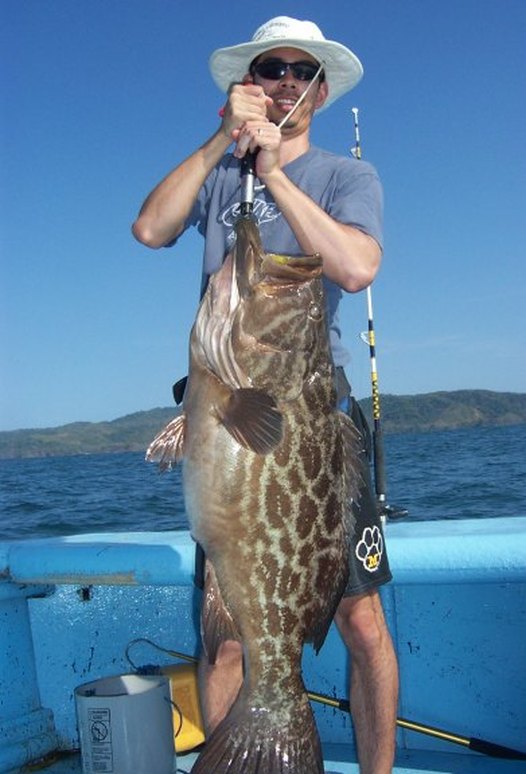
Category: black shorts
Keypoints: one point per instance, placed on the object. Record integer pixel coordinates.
(368, 562)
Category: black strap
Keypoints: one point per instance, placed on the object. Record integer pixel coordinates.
(178, 390)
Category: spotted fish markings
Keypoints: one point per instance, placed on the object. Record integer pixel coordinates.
(269, 472)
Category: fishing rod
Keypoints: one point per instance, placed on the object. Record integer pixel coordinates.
(473, 743)
(380, 484)
(248, 176)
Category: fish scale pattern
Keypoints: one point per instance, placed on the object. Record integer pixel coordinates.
(274, 525)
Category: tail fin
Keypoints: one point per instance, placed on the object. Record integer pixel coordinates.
(253, 740)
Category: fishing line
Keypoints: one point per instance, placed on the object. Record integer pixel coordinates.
(297, 104)
(248, 162)
(302, 97)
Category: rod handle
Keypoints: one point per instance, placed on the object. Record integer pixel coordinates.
(248, 175)
(495, 750)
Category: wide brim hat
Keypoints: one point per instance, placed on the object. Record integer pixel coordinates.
(343, 70)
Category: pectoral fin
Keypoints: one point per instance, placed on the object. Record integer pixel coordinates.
(253, 419)
(167, 448)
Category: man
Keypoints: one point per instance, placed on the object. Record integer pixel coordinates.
(306, 201)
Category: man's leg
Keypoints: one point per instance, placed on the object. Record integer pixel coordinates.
(374, 680)
(219, 683)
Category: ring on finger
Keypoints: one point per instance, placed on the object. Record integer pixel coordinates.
(260, 130)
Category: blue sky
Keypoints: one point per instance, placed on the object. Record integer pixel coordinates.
(101, 99)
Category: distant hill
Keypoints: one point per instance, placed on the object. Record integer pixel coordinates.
(400, 413)
(130, 433)
(449, 410)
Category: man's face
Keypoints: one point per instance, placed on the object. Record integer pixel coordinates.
(286, 90)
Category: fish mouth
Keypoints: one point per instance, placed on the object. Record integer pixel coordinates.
(253, 266)
(301, 268)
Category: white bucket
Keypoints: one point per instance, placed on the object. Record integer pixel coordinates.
(125, 725)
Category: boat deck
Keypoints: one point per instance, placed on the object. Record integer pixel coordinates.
(72, 607)
(340, 759)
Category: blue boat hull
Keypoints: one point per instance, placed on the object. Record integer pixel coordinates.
(70, 606)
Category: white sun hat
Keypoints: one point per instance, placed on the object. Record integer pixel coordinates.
(342, 68)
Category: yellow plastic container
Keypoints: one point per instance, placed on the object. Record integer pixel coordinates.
(189, 732)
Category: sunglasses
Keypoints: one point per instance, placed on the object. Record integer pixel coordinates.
(276, 69)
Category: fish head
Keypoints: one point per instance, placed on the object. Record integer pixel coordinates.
(280, 331)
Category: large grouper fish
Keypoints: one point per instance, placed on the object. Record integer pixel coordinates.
(269, 473)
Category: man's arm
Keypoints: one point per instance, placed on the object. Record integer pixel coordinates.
(164, 213)
(351, 258)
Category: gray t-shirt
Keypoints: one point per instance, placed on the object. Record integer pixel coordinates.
(348, 190)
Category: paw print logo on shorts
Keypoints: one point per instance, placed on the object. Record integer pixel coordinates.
(370, 548)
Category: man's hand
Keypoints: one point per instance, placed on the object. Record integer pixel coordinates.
(245, 122)
(246, 102)
(265, 138)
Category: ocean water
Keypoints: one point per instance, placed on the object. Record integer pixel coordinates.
(469, 473)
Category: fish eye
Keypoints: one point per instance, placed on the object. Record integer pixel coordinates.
(315, 312)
